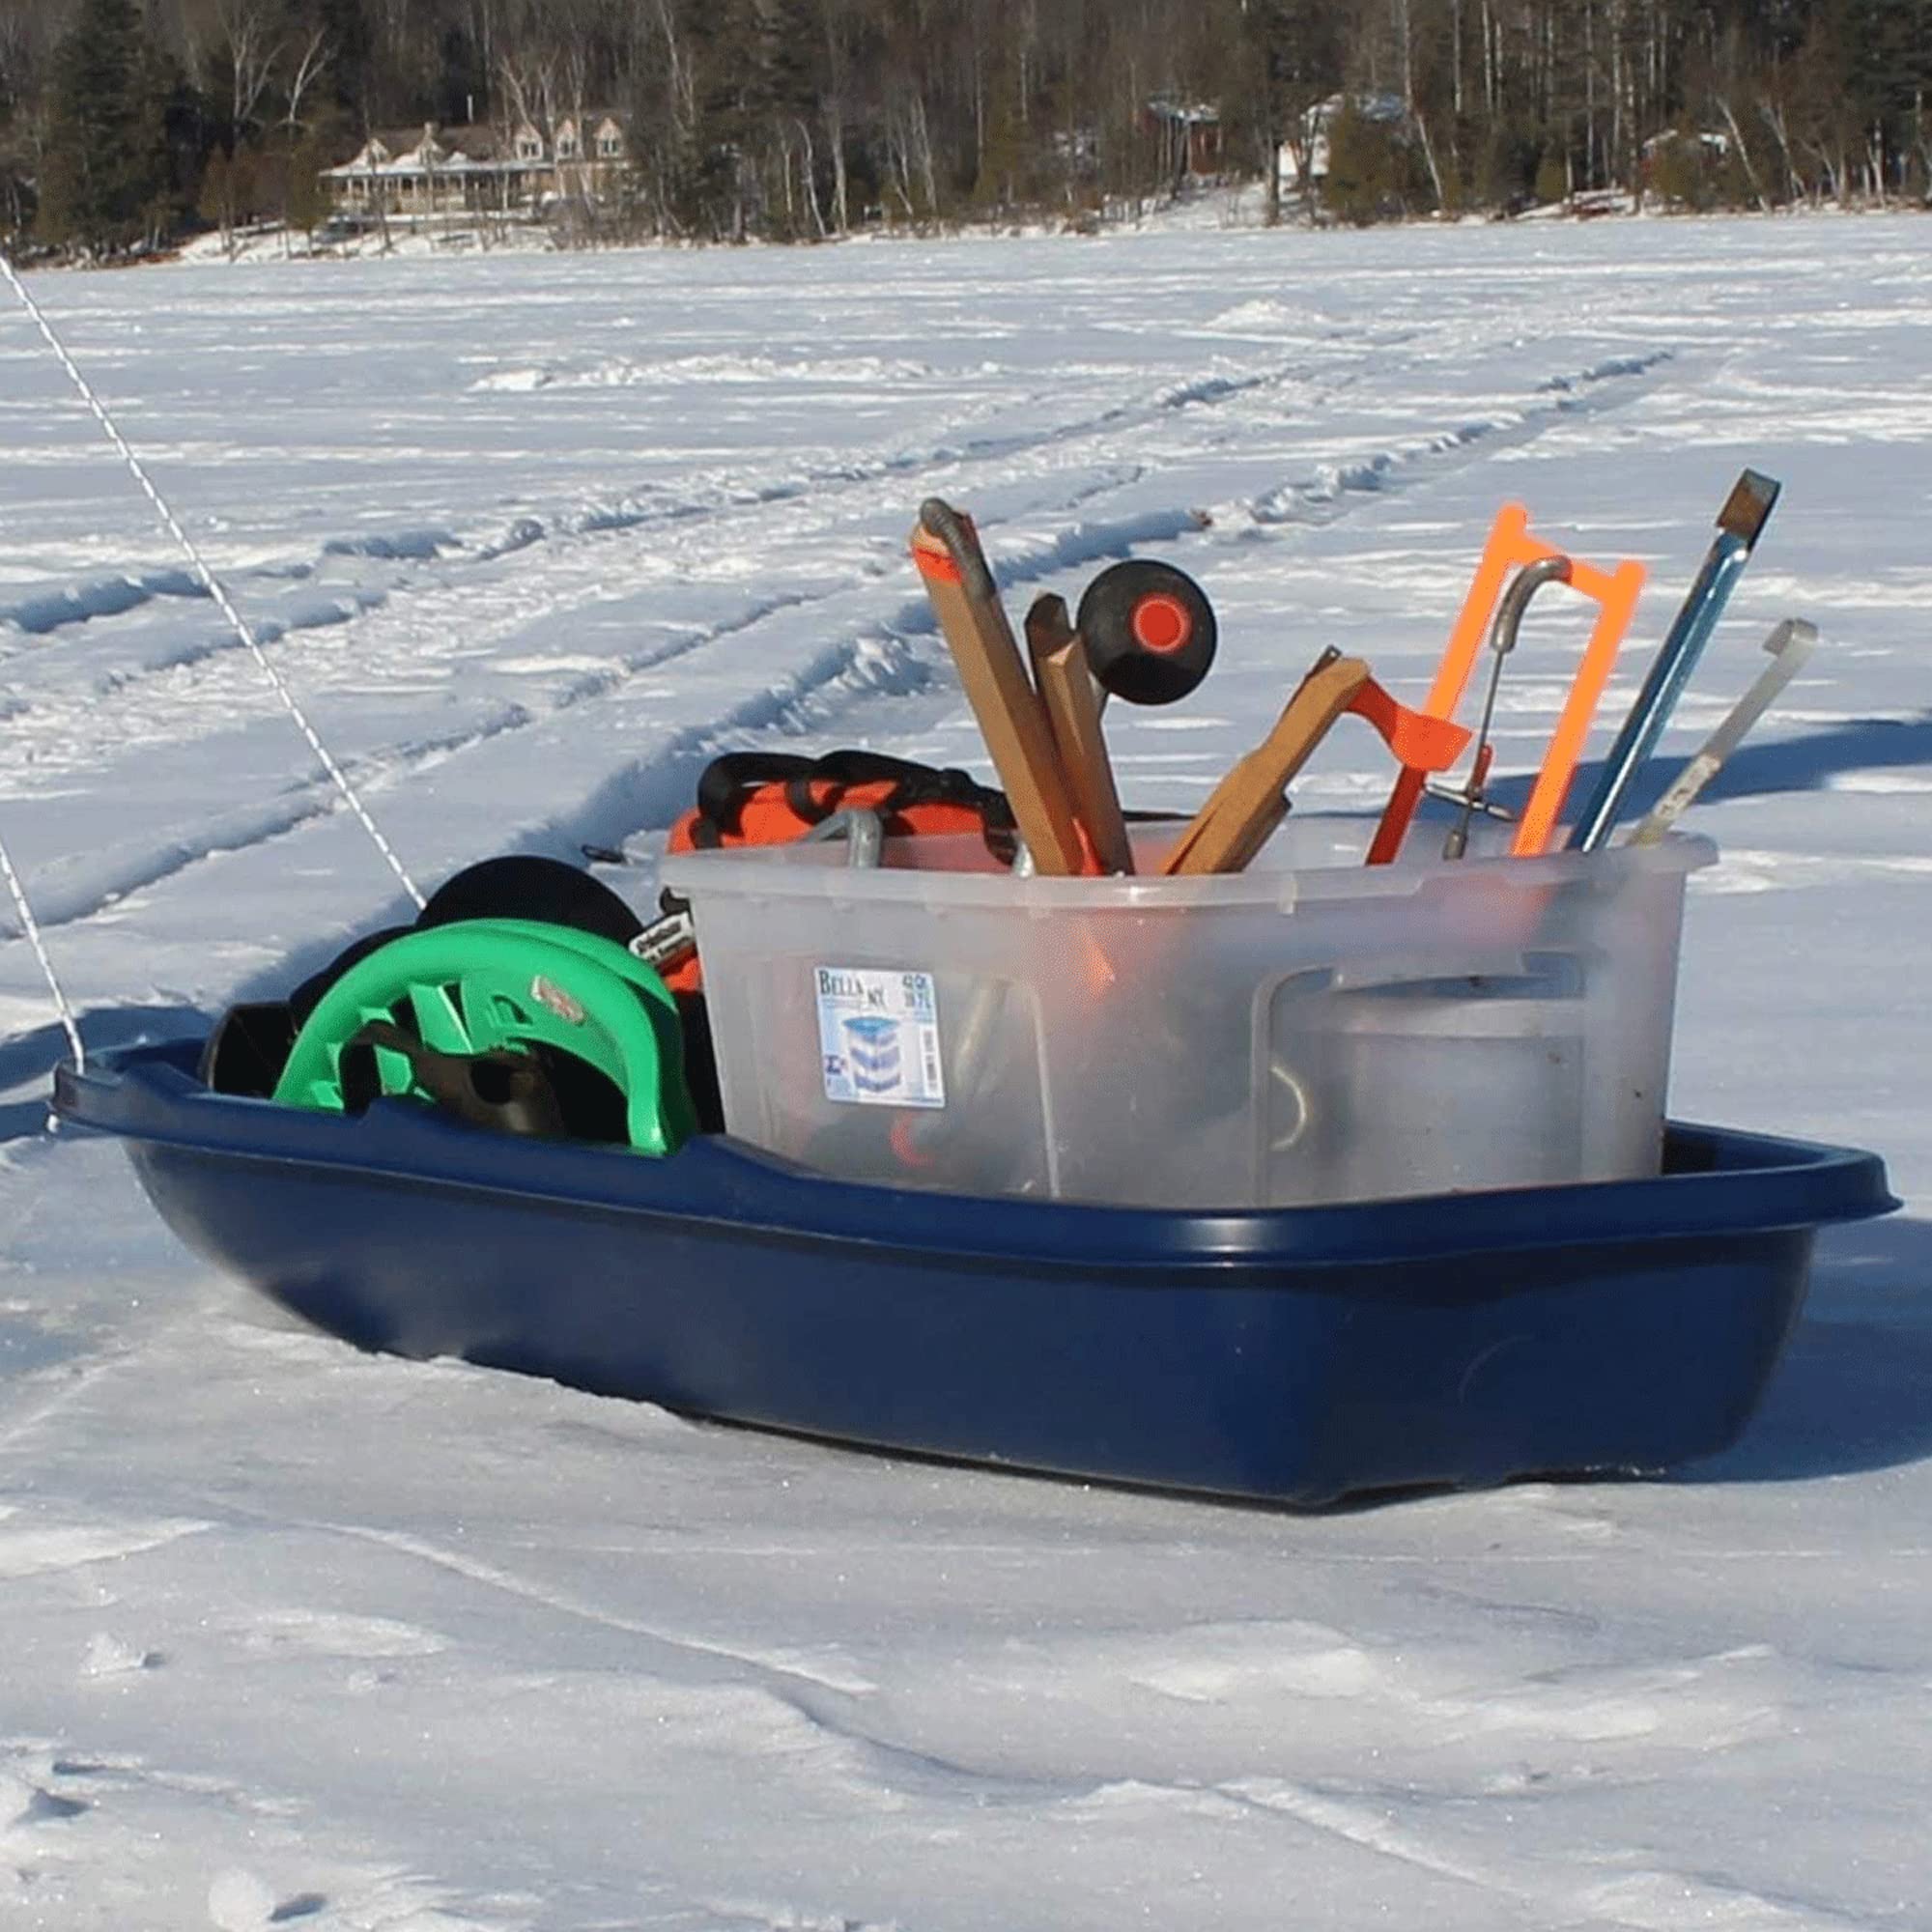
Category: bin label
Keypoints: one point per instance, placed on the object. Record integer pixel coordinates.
(879, 1036)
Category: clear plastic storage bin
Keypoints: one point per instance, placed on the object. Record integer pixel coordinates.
(1311, 1030)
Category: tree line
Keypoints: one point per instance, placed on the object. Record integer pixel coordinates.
(125, 124)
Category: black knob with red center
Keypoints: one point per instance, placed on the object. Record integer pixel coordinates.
(1149, 631)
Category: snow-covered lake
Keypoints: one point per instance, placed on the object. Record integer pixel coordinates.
(297, 1636)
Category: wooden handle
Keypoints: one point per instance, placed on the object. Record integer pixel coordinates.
(1065, 681)
(1246, 806)
(1011, 719)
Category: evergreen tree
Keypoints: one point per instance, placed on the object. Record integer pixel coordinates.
(789, 90)
(305, 205)
(796, 118)
(106, 175)
(1290, 62)
(216, 203)
(1361, 185)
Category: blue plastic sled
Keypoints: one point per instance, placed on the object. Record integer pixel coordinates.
(1294, 1354)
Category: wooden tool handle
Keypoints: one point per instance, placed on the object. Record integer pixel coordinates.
(1012, 718)
(1246, 806)
(1065, 681)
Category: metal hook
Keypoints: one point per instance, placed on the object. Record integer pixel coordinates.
(1515, 601)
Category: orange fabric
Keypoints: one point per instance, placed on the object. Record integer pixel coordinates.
(766, 818)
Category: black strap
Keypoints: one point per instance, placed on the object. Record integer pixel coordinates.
(730, 780)
(838, 773)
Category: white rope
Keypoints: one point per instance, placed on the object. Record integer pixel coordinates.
(32, 929)
(212, 584)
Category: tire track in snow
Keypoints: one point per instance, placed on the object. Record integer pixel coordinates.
(452, 607)
(1634, 1900)
(41, 613)
(822, 490)
(789, 1667)
(77, 891)
(819, 498)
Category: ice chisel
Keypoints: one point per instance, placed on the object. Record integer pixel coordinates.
(1789, 645)
(1740, 523)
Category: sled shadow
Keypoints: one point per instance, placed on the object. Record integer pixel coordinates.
(1807, 763)
(1851, 1392)
(29, 1059)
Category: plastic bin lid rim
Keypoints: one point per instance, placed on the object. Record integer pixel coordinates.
(819, 873)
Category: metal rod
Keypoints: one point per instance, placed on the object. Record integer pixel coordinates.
(1740, 523)
(861, 826)
(1790, 644)
(1515, 601)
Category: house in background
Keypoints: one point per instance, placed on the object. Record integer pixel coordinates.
(1304, 161)
(1682, 166)
(441, 177)
(1190, 138)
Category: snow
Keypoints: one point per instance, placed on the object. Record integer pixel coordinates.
(300, 1636)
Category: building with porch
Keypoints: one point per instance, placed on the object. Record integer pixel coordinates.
(442, 177)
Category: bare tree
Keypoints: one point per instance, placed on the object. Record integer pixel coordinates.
(1742, 149)
(311, 63)
(251, 54)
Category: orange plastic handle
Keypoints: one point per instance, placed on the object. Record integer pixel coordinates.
(1509, 547)
(1617, 599)
(1429, 743)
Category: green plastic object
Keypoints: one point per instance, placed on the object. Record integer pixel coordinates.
(487, 983)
